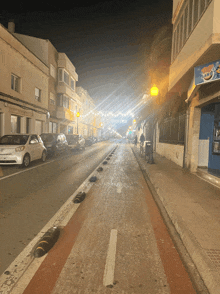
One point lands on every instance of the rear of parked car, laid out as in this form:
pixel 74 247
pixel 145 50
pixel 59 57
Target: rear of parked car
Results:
pixel 75 141
pixel 54 143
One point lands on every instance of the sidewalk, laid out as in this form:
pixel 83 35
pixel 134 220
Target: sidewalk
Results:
pixel 193 206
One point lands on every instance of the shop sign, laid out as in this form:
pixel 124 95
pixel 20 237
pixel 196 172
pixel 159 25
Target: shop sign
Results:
pixel 207 72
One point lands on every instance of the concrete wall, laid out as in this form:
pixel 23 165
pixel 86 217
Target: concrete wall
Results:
pixel 16 59
pixel 38 46
pixel 170 151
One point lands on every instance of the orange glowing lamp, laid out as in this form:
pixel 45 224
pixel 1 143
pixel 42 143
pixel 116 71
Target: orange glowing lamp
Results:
pixel 154 91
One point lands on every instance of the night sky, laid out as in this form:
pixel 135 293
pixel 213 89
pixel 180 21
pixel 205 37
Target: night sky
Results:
pixel 107 41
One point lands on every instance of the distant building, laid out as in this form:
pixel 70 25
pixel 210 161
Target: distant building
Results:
pixel 63 102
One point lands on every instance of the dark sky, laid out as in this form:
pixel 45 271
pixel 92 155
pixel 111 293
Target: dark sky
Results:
pixel 107 41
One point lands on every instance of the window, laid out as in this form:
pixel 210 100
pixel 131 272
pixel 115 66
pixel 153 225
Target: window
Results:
pixel 63 76
pixel 52 127
pixel 65 101
pixel 202 7
pixel 15 82
pixel 196 12
pixel 60 75
pixel 66 77
pixel 72 84
pixel 190 27
pixel 52 98
pixel 185 32
pixel 181 33
pixel 15 124
pixel 37 94
pixel 52 71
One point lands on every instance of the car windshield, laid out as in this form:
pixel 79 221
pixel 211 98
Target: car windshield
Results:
pixel 14 140
pixel 47 137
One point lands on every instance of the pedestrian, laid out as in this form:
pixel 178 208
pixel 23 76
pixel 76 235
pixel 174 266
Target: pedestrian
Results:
pixel 142 138
pixel 135 140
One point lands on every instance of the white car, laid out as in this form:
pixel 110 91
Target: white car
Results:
pixel 21 149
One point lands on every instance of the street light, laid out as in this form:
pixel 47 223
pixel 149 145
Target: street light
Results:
pixel 154 91
pixel 77 116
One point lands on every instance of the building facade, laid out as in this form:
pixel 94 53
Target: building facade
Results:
pixel 23 88
pixel 38 90
pixel 194 78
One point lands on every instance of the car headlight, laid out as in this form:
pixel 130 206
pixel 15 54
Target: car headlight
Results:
pixel 19 149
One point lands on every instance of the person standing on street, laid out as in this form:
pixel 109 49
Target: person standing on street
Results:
pixel 142 138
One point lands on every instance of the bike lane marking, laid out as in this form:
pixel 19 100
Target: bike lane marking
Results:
pixel 177 276
pixel 108 278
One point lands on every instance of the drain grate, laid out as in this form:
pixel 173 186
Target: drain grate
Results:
pixel 214 255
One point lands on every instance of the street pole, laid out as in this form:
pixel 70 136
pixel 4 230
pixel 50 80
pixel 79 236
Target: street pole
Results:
pixel 77 117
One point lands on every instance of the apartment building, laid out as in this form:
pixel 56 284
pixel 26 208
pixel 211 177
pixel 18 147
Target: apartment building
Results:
pixel 194 78
pixel 23 87
pixel 90 120
pixel 63 101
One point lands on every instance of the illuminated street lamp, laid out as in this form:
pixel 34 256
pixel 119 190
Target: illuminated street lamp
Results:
pixel 77 116
pixel 154 91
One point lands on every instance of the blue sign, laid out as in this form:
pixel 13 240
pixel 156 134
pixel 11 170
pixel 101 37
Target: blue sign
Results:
pixel 207 72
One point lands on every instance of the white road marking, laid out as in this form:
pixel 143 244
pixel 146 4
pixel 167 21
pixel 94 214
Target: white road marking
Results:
pixel 108 278
pixel 25 170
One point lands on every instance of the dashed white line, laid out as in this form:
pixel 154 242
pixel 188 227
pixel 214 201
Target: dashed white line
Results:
pixel 108 278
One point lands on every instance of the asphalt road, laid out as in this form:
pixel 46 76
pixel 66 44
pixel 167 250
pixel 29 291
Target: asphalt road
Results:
pixel 30 197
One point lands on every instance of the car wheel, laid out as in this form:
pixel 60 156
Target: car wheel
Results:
pixel 26 160
pixel 44 156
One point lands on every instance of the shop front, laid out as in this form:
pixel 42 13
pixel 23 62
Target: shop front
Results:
pixel 208 78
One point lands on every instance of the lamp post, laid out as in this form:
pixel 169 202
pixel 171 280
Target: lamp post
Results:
pixel 154 91
pixel 77 117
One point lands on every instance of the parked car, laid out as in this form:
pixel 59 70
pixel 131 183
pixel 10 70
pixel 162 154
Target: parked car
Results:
pixel 54 143
pixel 75 141
pixel 88 141
pixel 21 149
